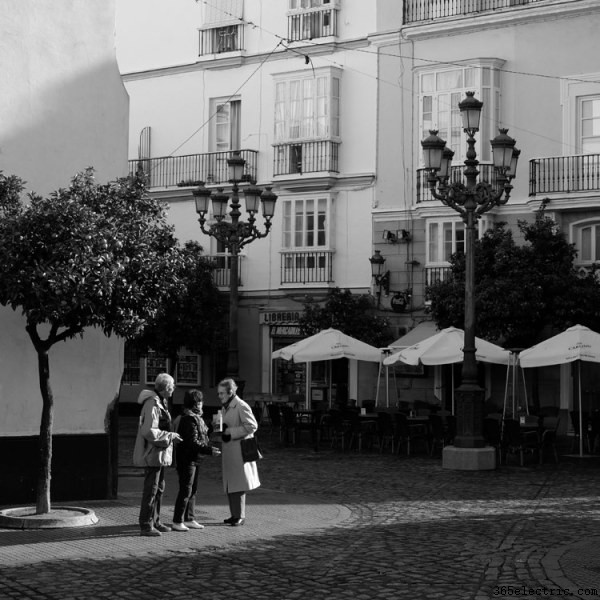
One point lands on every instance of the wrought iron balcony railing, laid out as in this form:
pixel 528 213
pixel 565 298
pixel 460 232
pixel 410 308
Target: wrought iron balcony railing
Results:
pixel 310 24
pixel 307 266
pixel 305 157
pixel 429 10
pixel 437 274
pixel 564 174
pixel 212 168
pixel 222 269
pixel 486 173
pixel 221 39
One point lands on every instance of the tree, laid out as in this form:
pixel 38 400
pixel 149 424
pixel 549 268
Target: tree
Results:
pixel 191 314
pixel 350 313
pixel 89 255
pixel 521 290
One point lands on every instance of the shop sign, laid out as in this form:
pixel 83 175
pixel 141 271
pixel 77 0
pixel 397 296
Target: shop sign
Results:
pixel 285 331
pixel 277 317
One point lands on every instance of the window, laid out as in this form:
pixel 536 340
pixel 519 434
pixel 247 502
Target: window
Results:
pixel 441 90
pixel 309 19
pixel 589 125
pixel 132 371
pixel 221 30
pixel 225 132
pixel 307 105
pixel 587 241
pixel 155 363
pixel 305 223
pixel 444 238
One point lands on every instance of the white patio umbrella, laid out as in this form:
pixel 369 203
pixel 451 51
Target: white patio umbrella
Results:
pixel 575 344
pixel 446 347
pixel 329 344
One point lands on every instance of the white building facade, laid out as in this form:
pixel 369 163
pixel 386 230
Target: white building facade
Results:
pixel 534 64
pixel 292 86
pixel 64 108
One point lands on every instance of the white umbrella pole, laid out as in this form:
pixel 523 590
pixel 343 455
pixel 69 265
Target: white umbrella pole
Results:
pixel 330 377
pixel 580 411
pixel 378 383
pixel 387 388
pixel 452 369
pixel 508 364
pixel 524 385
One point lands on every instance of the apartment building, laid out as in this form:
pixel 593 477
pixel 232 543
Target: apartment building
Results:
pixel 292 86
pixel 535 66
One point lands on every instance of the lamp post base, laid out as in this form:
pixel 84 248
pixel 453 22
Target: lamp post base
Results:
pixel 469 459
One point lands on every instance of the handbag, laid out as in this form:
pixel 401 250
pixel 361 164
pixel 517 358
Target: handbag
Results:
pixel 250 450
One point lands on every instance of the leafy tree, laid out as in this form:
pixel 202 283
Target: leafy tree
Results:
pixel 89 255
pixel 520 290
pixel 191 314
pixel 350 313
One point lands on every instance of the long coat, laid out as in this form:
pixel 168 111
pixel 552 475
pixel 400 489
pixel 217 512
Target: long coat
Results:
pixel 238 476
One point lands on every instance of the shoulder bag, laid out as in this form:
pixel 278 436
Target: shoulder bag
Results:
pixel 250 449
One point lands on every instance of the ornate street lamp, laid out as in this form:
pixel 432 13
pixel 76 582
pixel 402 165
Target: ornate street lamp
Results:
pixel 234 234
pixel 381 278
pixel 470 200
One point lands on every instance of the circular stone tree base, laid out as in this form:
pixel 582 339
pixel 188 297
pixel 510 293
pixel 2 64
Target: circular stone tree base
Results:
pixel 24 517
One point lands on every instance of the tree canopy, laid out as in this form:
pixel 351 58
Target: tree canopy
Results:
pixel 521 291
pixel 191 314
pixel 351 314
pixel 88 255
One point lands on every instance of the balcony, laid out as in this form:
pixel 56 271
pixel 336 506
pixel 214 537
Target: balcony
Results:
pixel 221 39
pixel 311 24
pixel 172 171
pixel 437 274
pixel 486 173
pixel 416 11
pixel 307 267
pixel 564 174
pixel 222 269
pixel 294 158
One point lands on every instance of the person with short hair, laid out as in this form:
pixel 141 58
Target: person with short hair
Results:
pixel 155 428
pixel 194 443
pixel 238 477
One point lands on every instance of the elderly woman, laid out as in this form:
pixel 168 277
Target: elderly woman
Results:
pixel 155 429
pixel 238 477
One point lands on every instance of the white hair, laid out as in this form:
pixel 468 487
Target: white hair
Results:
pixel 162 381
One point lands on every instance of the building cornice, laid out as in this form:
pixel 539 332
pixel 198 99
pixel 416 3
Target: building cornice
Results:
pixel 551 10
pixel 237 59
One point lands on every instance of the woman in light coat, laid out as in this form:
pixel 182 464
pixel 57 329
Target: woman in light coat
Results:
pixel 238 477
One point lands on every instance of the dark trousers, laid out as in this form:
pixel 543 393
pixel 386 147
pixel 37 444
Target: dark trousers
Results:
pixel 154 486
pixel 237 504
pixel 186 497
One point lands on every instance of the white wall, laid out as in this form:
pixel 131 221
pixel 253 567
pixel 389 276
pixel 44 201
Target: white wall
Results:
pixel 63 109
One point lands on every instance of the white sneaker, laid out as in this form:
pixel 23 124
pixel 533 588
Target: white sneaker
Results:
pixel 180 527
pixel 193 525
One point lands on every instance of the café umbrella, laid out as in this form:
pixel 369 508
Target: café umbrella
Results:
pixel 573 345
pixel 446 347
pixel 329 344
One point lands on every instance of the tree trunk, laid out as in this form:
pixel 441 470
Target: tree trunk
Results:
pixel 44 473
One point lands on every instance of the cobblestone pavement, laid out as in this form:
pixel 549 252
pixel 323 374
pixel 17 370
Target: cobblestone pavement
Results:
pixel 332 525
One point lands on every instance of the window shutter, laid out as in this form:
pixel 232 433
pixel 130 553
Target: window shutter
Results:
pixel 221 13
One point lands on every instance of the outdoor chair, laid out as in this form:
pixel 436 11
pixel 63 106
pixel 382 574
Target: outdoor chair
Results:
pixel 257 411
pixel 289 425
pixel 515 441
pixel 339 429
pixel 362 432
pixel 386 430
pixel 410 434
pixel 575 423
pixel 548 437
pixel 492 434
pixel 438 433
pixel 275 419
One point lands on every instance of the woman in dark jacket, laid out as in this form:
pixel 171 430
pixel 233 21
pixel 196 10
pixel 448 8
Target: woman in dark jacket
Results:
pixel 195 442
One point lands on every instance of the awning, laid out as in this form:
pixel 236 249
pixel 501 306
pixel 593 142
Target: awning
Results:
pixel 222 13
